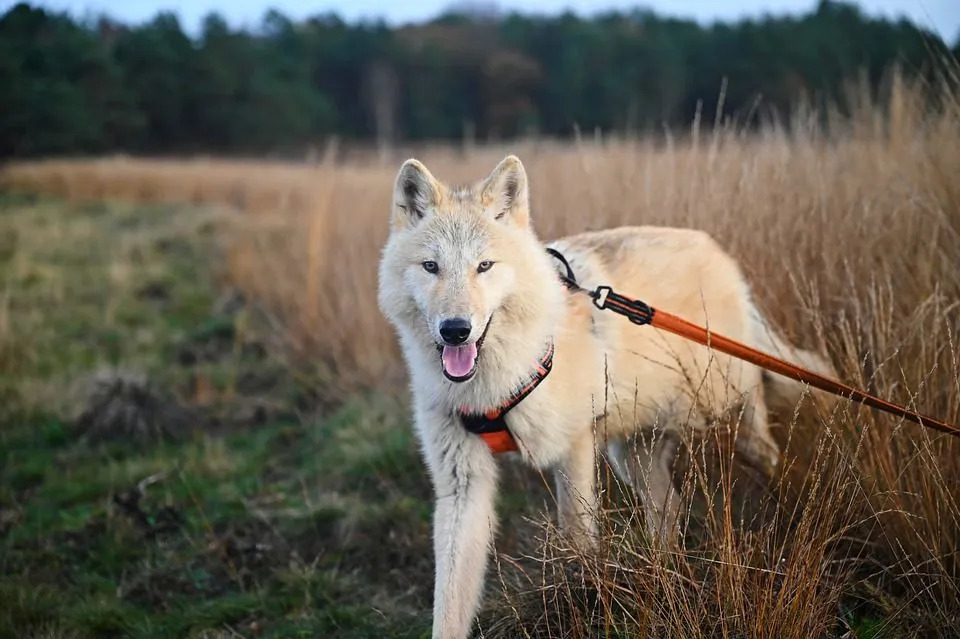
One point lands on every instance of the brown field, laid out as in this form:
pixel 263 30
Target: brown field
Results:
pixel 849 230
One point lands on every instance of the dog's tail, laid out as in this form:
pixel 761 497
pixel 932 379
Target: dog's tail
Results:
pixel 783 393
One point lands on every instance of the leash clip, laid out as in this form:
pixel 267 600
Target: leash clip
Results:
pixel 600 296
pixel 638 312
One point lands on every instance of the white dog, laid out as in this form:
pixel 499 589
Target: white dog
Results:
pixel 486 325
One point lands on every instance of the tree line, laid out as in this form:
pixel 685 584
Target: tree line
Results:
pixel 69 86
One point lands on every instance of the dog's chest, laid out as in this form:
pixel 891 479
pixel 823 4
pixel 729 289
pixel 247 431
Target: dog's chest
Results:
pixel 548 421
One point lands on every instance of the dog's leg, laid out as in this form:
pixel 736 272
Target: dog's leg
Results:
pixel 754 439
pixel 645 463
pixel 464 476
pixel 575 480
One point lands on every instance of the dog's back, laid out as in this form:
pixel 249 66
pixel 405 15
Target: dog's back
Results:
pixel 687 273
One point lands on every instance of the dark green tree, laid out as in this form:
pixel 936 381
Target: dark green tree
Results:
pixel 60 90
pixel 73 87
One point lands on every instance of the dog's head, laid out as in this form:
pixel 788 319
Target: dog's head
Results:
pixel 459 261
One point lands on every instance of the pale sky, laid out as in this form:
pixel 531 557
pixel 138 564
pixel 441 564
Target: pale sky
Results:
pixel 940 16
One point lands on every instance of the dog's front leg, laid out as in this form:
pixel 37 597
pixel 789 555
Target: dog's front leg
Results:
pixel 576 491
pixel 464 520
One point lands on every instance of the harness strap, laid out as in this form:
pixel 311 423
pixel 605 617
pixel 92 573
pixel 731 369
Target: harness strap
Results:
pixel 569 279
pixel 491 425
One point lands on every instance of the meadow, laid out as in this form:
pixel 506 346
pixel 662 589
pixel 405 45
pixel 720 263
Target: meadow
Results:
pixel 205 429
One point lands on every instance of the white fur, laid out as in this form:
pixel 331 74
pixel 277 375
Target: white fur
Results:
pixel 611 380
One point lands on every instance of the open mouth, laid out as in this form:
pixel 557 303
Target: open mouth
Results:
pixel 460 362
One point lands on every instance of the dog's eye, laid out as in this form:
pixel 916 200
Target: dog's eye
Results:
pixel 430 266
pixel 484 266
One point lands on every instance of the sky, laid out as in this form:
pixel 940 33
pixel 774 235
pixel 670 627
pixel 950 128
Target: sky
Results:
pixel 940 16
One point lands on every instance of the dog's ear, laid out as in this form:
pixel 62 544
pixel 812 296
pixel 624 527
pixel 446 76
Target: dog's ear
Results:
pixel 505 193
pixel 415 193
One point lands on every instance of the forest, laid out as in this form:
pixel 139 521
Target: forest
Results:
pixel 73 87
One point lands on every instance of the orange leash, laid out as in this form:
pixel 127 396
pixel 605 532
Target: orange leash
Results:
pixel 640 313
pixel 492 427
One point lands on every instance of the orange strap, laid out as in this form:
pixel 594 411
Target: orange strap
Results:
pixel 500 441
pixel 491 424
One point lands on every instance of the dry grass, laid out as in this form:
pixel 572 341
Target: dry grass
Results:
pixel 850 234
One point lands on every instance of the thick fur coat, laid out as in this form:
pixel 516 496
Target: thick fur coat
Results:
pixel 475 300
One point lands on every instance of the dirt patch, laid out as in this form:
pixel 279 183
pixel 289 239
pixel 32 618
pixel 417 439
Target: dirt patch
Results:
pixel 125 406
pixel 154 292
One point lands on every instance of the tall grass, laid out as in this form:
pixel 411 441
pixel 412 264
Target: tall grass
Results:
pixel 848 227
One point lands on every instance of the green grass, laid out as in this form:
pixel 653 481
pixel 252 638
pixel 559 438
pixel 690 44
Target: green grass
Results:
pixel 262 512
pixel 255 518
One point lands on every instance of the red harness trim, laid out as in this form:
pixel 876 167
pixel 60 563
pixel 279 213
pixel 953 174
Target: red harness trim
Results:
pixel 500 441
pixel 491 425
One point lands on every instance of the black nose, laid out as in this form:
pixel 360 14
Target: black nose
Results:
pixel 455 331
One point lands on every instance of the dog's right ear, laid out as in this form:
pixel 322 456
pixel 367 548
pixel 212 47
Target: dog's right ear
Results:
pixel 415 193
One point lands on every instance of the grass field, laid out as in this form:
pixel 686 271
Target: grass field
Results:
pixel 216 496
pixel 205 433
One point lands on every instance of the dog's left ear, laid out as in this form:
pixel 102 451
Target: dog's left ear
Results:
pixel 505 193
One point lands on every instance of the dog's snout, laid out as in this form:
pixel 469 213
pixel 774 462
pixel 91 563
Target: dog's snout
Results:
pixel 455 331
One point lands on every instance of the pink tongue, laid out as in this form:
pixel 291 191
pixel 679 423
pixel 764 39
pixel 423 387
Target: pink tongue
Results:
pixel 458 360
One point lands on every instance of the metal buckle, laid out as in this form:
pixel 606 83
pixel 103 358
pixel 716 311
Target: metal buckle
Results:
pixel 600 296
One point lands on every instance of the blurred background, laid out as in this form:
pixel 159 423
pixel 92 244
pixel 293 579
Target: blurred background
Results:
pixel 246 79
